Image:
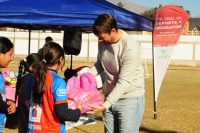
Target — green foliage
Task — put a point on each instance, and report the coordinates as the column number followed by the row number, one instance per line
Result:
column 151, row 12
column 120, row 4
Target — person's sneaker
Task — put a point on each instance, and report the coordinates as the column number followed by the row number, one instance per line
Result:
column 90, row 121
column 84, row 119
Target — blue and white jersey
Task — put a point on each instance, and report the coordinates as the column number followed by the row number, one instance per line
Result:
column 2, row 93
column 42, row 118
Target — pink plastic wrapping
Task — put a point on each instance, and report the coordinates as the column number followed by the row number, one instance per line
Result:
column 83, row 90
column 10, row 78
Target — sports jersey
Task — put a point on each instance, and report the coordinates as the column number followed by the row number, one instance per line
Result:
column 42, row 118
column 24, row 94
column 2, row 93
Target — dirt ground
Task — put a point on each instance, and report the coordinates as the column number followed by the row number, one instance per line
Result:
column 178, row 109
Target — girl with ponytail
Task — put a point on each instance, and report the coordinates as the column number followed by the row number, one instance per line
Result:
column 23, row 89
column 49, row 109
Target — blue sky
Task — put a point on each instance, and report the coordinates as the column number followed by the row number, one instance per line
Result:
column 192, row 5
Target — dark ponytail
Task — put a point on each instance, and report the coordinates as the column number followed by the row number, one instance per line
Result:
column 39, row 82
column 19, row 78
column 50, row 55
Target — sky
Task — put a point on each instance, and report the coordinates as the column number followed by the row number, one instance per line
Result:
column 191, row 5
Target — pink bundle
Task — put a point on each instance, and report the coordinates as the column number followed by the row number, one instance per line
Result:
column 10, row 78
column 83, row 90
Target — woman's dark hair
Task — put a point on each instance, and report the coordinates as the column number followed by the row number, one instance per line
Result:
column 5, row 45
column 51, row 54
column 104, row 23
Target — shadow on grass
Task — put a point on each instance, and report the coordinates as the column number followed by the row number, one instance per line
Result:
column 80, row 130
column 99, row 118
column 143, row 129
column 147, row 130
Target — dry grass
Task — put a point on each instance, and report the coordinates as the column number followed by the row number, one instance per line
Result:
column 178, row 103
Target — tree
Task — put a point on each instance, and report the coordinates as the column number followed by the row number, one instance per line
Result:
column 151, row 12
column 120, row 4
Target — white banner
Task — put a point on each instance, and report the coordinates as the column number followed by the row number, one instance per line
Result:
column 162, row 55
column 169, row 22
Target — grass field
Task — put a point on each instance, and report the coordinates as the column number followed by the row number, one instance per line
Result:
column 178, row 107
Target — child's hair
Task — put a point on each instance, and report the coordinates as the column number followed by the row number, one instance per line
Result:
column 30, row 60
column 51, row 54
column 68, row 73
column 5, row 45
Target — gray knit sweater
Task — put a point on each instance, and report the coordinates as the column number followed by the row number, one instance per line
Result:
column 123, row 71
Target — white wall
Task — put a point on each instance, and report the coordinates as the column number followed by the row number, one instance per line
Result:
column 188, row 47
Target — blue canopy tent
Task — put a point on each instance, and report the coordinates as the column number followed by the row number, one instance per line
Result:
column 66, row 14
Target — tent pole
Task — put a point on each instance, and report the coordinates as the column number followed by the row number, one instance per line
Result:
column 154, row 100
column 29, row 41
column 14, row 42
column 88, row 50
column 71, row 61
column 38, row 39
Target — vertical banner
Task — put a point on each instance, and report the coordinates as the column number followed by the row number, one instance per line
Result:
column 169, row 22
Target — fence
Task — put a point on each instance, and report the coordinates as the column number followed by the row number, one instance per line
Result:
column 185, row 53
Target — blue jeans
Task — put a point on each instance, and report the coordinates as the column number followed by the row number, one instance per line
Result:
column 124, row 116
